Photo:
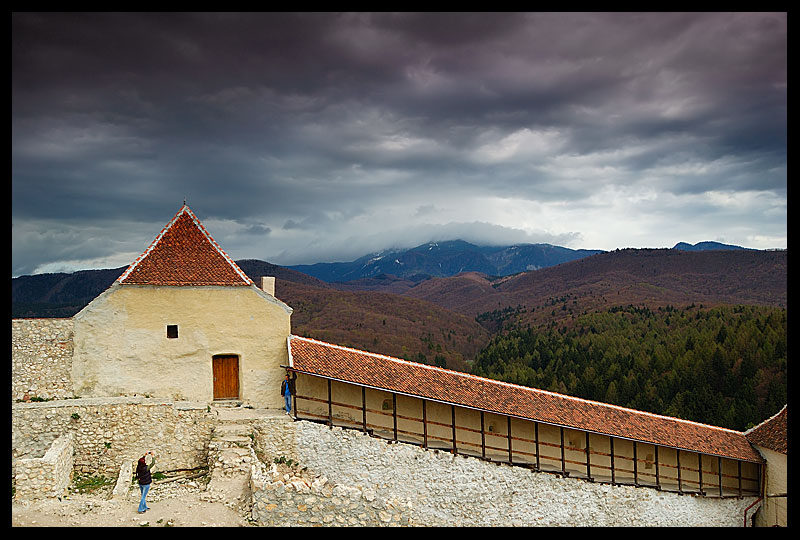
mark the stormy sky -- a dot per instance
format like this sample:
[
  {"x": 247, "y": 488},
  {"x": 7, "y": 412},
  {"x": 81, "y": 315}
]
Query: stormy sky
[{"x": 300, "y": 138}]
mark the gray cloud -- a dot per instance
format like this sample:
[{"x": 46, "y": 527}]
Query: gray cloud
[{"x": 307, "y": 137}]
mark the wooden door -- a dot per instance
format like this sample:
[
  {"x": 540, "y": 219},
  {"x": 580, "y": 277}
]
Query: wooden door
[{"x": 226, "y": 376}]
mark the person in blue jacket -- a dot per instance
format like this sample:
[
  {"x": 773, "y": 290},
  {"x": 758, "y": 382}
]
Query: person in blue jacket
[{"x": 287, "y": 391}]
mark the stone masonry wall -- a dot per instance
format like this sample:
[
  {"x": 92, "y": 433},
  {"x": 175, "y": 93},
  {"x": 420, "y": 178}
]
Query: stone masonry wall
[
  {"x": 41, "y": 358},
  {"x": 431, "y": 488},
  {"x": 108, "y": 431},
  {"x": 48, "y": 476},
  {"x": 304, "y": 498}
]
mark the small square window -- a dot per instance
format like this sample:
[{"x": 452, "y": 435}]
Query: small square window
[{"x": 172, "y": 331}]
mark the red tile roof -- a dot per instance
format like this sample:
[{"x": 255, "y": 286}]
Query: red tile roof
[
  {"x": 395, "y": 375},
  {"x": 772, "y": 433},
  {"x": 184, "y": 254}
]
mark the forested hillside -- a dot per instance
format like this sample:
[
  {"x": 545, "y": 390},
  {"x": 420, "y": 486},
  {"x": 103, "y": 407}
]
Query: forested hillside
[
  {"x": 605, "y": 327},
  {"x": 384, "y": 323},
  {"x": 725, "y": 365}
]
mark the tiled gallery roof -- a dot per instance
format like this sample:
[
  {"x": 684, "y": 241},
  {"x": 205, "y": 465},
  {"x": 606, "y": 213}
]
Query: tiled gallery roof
[
  {"x": 772, "y": 433},
  {"x": 395, "y": 375},
  {"x": 184, "y": 254}
]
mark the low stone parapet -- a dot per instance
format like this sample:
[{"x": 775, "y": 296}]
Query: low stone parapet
[
  {"x": 48, "y": 476},
  {"x": 108, "y": 431}
]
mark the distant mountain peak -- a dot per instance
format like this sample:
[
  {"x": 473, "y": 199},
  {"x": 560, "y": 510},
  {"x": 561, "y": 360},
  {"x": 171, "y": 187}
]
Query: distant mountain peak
[
  {"x": 445, "y": 259},
  {"x": 703, "y": 246}
]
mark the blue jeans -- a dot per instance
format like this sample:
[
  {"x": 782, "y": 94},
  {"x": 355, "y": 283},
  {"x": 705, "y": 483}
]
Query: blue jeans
[
  {"x": 288, "y": 399},
  {"x": 143, "y": 504}
]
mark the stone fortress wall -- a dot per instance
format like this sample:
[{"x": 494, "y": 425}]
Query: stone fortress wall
[
  {"x": 360, "y": 480},
  {"x": 47, "y": 476},
  {"x": 405, "y": 484},
  {"x": 41, "y": 358}
]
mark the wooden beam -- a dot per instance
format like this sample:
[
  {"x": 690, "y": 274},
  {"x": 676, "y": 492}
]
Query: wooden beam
[
  {"x": 635, "y": 466},
  {"x": 563, "y": 459},
  {"x": 588, "y": 464},
  {"x": 613, "y": 478},
  {"x": 483, "y": 439},
  {"x": 700, "y": 473},
  {"x": 394, "y": 414},
  {"x": 508, "y": 433},
  {"x": 424, "y": 426},
  {"x": 658, "y": 480},
  {"x": 453, "y": 411},
  {"x": 364, "y": 409},
  {"x": 536, "y": 436},
  {"x": 678, "y": 454},
  {"x": 294, "y": 396},
  {"x": 740, "y": 477},
  {"x": 719, "y": 467},
  {"x": 330, "y": 405}
]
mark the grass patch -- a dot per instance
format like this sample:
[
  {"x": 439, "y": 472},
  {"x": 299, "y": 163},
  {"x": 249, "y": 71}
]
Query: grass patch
[{"x": 90, "y": 483}]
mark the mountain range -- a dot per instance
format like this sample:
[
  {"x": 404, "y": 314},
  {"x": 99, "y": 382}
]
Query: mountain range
[
  {"x": 444, "y": 259},
  {"x": 447, "y": 320}
]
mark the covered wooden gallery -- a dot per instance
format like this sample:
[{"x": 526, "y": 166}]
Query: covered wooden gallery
[{"x": 461, "y": 413}]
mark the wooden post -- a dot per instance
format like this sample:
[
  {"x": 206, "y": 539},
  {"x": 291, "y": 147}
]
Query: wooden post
[
  {"x": 719, "y": 467},
  {"x": 424, "y": 426},
  {"x": 613, "y": 479},
  {"x": 635, "y": 466},
  {"x": 330, "y": 406},
  {"x": 588, "y": 465},
  {"x": 680, "y": 486},
  {"x": 740, "y": 477},
  {"x": 294, "y": 397},
  {"x": 483, "y": 439},
  {"x": 453, "y": 411},
  {"x": 658, "y": 480},
  {"x": 508, "y": 434},
  {"x": 563, "y": 459},
  {"x": 536, "y": 436},
  {"x": 700, "y": 473},
  {"x": 364, "y": 408},
  {"x": 394, "y": 414}
]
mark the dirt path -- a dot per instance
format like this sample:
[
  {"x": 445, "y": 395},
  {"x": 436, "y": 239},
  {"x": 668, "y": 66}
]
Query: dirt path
[{"x": 174, "y": 504}]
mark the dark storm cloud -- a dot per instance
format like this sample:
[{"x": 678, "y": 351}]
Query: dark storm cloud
[{"x": 348, "y": 130}]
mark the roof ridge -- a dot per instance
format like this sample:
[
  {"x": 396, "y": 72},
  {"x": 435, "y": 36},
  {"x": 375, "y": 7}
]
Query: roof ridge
[
  {"x": 768, "y": 420},
  {"x": 524, "y": 388}
]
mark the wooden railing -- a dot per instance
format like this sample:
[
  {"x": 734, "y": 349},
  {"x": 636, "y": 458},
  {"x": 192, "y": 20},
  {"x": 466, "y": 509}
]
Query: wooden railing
[{"x": 708, "y": 483}]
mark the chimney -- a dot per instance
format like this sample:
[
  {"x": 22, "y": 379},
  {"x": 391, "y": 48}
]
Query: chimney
[{"x": 268, "y": 284}]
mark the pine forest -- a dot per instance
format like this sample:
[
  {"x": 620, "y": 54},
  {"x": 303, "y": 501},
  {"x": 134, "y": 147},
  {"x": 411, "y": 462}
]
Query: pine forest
[{"x": 724, "y": 365}]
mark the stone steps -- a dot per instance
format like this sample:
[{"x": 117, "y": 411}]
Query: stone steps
[
  {"x": 230, "y": 435},
  {"x": 226, "y": 403},
  {"x": 230, "y": 458}
]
